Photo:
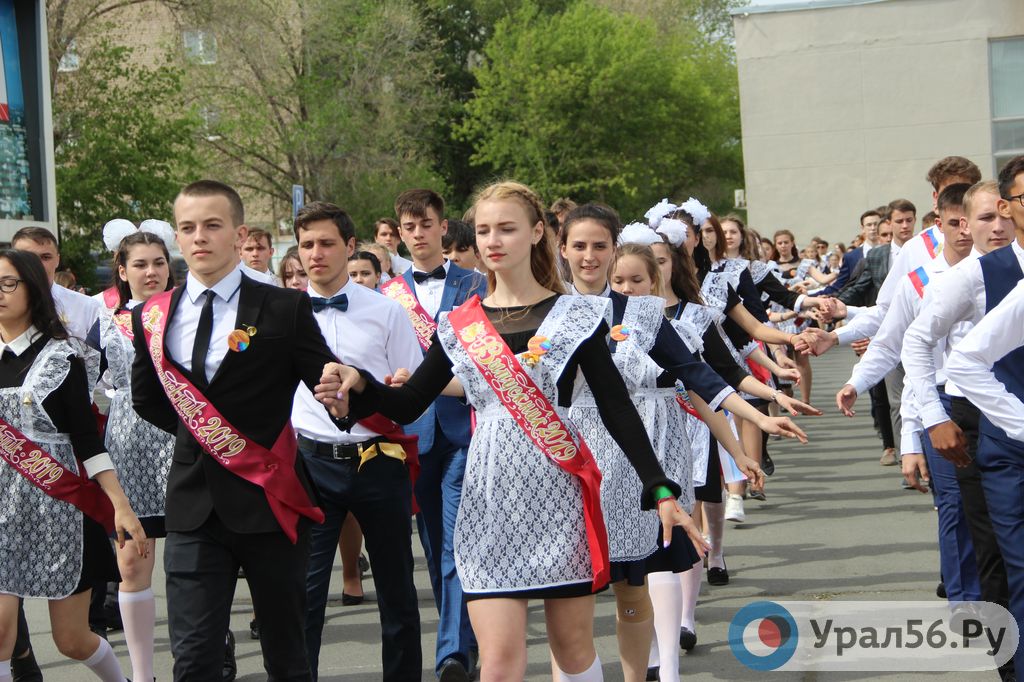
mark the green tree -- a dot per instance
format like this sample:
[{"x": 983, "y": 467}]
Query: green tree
[
  {"x": 609, "y": 106},
  {"x": 340, "y": 96},
  {"x": 124, "y": 147}
]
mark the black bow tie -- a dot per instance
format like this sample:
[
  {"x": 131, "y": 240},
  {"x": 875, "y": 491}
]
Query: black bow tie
[
  {"x": 339, "y": 302},
  {"x": 436, "y": 273}
]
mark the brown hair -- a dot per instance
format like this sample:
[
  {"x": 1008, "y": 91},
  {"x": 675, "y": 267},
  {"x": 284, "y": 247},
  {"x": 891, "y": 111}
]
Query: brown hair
[
  {"x": 904, "y": 205},
  {"x": 749, "y": 239},
  {"x": 390, "y": 222},
  {"x": 794, "y": 255},
  {"x": 120, "y": 259},
  {"x": 952, "y": 167},
  {"x": 605, "y": 216},
  {"x": 40, "y": 235},
  {"x": 212, "y": 188},
  {"x": 562, "y": 204},
  {"x": 415, "y": 202},
  {"x": 645, "y": 254},
  {"x": 684, "y": 282},
  {"x": 542, "y": 255},
  {"x": 719, "y": 236},
  {"x": 321, "y": 210},
  {"x": 292, "y": 254},
  {"x": 258, "y": 233}
]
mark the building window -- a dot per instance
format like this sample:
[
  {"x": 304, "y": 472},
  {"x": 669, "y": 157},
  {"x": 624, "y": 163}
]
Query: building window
[
  {"x": 70, "y": 61},
  {"x": 210, "y": 116},
  {"x": 1006, "y": 63},
  {"x": 200, "y": 46}
]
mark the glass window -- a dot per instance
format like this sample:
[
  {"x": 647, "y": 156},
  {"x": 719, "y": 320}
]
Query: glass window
[
  {"x": 200, "y": 46},
  {"x": 70, "y": 60},
  {"x": 1006, "y": 64}
]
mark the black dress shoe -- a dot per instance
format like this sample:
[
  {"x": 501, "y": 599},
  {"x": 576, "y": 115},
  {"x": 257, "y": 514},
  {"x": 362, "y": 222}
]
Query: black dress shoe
[
  {"x": 230, "y": 669},
  {"x": 687, "y": 639},
  {"x": 254, "y": 629},
  {"x": 452, "y": 671},
  {"x": 718, "y": 576},
  {"x": 26, "y": 669},
  {"x": 758, "y": 495},
  {"x": 940, "y": 590},
  {"x": 767, "y": 465},
  {"x": 351, "y": 599},
  {"x": 652, "y": 673}
]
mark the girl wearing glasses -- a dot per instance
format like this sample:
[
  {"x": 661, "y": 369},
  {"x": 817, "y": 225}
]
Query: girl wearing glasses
[{"x": 49, "y": 547}]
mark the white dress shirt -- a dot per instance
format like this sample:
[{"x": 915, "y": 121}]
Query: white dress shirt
[
  {"x": 399, "y": 264},
  {"x": 374, "y": 334},
  {"x": 181, "y": 329},
  {"x": 953, "y": 306},
  {"x": 265, "y": 277},
  {"x": 430, "y": 292},
  {"x": 970, "y": 363},
  {"x": 77, "y": 311},
  {"x": 911, "y": 256}
]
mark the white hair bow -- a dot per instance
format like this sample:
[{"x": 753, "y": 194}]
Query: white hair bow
[
  {"x": 675, "y": 231},
  {"x": 698, "y": 211},
  {"x": 661, "y": 209},
  {"x": 639, "y": 233},
  {"x": 119, "y": 228}
]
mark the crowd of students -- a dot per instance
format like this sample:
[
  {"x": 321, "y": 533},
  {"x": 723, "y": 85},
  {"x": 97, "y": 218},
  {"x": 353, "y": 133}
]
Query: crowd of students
[{"x": 563, "y": 403}]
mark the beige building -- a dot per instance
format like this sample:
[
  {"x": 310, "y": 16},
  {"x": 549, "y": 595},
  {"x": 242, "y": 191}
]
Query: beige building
[{"x": 845, "y": 104}]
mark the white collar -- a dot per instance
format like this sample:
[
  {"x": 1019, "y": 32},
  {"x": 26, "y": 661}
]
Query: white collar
[
  {"x": 446, "y": 265},
  {"x": 604, "y": 294},
  {"x": 346, "y": 289},
  {"x": 22, "y": 343},
  {"x": 225, "y": 288}
]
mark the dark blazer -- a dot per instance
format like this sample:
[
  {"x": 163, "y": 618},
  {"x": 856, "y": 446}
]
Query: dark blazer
[
  {"x": 451, "y": 414},
  {"x": 253, "y": 389},
  {"x": 876, "y": 266},
  {"x": 850, "y": 260}
]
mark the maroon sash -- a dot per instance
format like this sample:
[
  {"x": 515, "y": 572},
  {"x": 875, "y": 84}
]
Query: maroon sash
[
  {"x": 393, "y": 433},
  {"x": 422, "y": 323},
  {"x": 273, "y": 470},
  {"x": 534, "y": 414},
  {"x": 53, "y": 478}
]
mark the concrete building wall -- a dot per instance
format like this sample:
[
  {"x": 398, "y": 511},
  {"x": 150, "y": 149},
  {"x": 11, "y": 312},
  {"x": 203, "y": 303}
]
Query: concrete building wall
[{"x": 845, "y": 108}]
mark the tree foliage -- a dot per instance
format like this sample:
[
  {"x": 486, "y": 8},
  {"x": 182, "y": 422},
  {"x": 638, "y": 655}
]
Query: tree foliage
[
  {"x": 340, "y": 96},
  {"x": 123, "y": 152},
  {"x": 599, "y": 105}
]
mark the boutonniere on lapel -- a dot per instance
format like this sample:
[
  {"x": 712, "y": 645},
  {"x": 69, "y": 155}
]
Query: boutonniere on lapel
[{"x": 239, "y": 339}]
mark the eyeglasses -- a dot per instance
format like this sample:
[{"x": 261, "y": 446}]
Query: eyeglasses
[
  {"x": 1019, "y": 198},
  {"x": 9, "y": 285}
]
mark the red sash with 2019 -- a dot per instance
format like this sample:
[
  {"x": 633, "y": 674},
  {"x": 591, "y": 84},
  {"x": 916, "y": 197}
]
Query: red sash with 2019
[
  {"x": 534, "y": 414},
  {"x": 273, "y": 469}
]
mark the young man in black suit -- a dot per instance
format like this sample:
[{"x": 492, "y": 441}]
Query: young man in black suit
[{"x": 217, "y": 520}]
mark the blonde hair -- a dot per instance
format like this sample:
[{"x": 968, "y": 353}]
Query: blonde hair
[
  {"x": 382, "y": 255},
  {"x": 985, "y": 186},
  {"x": 646, "y": 255},
  {"x": 542, "y": 254}
]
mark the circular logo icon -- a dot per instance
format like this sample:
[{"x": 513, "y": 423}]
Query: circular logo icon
[{"x": 763, "y": 635}]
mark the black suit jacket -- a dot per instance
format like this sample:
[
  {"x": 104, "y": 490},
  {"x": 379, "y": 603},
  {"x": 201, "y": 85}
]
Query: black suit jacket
[
  {"x": 864, "y": 290},
  {"x": 253, "y": 389}
]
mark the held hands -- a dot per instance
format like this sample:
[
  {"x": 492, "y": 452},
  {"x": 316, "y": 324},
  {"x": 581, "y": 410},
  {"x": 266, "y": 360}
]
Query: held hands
[
  {"x": 860, "y": 347},
  {"x": 950, "y": 442},
  {"x": 671, "y": 514},
  {"x": 399, "y": 378},
  {"x": 335, "y": 383},
  {"x": 781, "y": 426},
  {"x": 752, "y": 470},
  {"x": 915, "y": 470},
  {"x": 814, "y": 341},
  {"x": 846, "y": 398},
  {"x": 795, "y": 407}
]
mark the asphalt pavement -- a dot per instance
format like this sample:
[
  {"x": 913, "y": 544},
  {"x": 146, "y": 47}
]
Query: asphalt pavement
[{"x": 836, "y": 526}]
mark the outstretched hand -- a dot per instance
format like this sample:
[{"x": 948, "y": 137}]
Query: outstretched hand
[
  {"x": 814, "y": 341},
  {"x": 846, "y": 398},
  {"x": 795, "y": 407},
  {"x": 782, "y": 426},
  {"x": 671, "y": 514}
]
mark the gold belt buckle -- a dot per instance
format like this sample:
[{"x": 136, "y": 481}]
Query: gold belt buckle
[{"x": 367, "y": 453}]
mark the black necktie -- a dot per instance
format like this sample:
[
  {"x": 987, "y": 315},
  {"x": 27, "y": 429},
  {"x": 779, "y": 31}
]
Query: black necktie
[
  {"x": 201, "y": 348},
  {"x": 436, "y": 273},
  {"x": 339, "y": 302}
]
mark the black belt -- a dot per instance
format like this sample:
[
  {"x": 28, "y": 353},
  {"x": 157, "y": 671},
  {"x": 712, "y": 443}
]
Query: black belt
[{"x": 336, "y": 451}]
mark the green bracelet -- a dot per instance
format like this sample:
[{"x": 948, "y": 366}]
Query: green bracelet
[{"x": 661, "y": 492}]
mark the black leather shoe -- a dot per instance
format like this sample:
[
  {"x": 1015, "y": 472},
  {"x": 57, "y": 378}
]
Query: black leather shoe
[
  {"x": 767, "y": 465},
  {"x": 687, "y": 639},
  {"x": 718, "y": 576},
  {"x": 652, "y": 673},
  {"x": 452, "y": 671},
  {"x": 26, "y": 669},
  {"x": 254, "y": 629},
  {"x": 940, "y": 590},
  {"x": 230, "y": 669},
  {"x": 351, "y": 599}
]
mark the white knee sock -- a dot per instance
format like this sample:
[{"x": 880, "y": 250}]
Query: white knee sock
[
  {"x": 690, "y": 582},
  {"x": 714, "y": 512},
  {"x": 5, "y": 671},
  {"x": 591, "y": 674},
  {"x": 138, "y": 613},
  {"x": 103, "y": 663},
  {"x": 666, "y": 595}
]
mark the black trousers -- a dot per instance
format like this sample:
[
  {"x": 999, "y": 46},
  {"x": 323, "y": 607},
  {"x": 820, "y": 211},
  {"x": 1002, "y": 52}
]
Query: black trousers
[
  {"x": 202, "y": 570},
  {"x": 380, "y": 497},
  {"x": 991, "y": 570},
  {"x": 881, "y": 413}
]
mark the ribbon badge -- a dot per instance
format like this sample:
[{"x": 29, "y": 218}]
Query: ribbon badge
[{"x": 536, "y": 347}]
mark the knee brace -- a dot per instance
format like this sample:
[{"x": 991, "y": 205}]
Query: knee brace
[{"x": 632, "y": 603}]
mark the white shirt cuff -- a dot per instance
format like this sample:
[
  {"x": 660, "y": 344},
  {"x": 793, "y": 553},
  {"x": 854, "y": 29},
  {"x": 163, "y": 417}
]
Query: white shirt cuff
[
  {"x": 910, "y": 443},
  {"x": 846, "y": 334},
  {"x": 799, "y": 305},
  {"x": 933, "y": 414},
  {"x": 97, "y": 464},
  {"x": 716, "y": 403},
  {"x": 859, "y": 384}
]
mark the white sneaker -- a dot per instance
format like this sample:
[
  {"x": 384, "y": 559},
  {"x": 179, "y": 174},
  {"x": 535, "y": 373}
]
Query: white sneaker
[{"x": 734, "y": 508}]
